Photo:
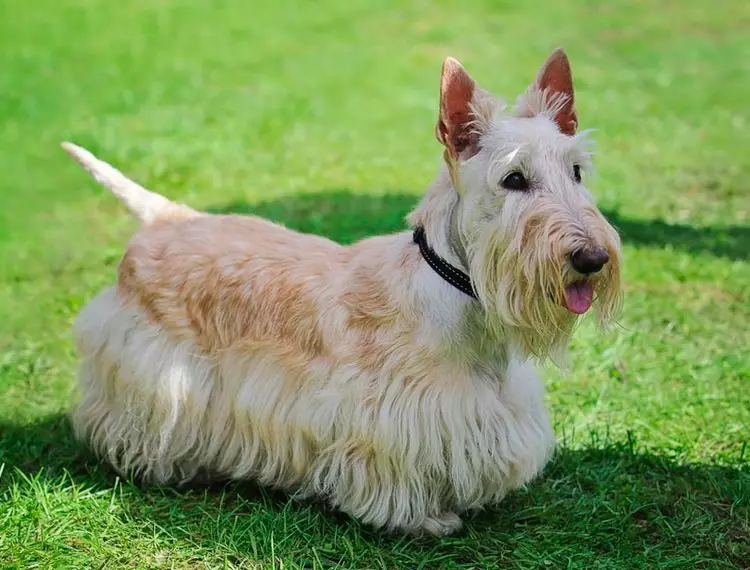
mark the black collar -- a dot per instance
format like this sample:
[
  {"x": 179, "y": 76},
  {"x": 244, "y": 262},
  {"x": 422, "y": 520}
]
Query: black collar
[{"x": 454, "y": 276}]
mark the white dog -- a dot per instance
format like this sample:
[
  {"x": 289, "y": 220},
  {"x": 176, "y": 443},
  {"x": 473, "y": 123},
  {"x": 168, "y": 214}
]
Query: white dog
[{"x": 394, "y": 377}]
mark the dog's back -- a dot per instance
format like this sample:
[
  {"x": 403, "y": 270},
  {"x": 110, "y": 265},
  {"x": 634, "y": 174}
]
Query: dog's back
[{"x": 221, "y": 280}]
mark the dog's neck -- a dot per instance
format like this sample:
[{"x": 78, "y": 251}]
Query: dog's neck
[{"x": 438, "y": 213}]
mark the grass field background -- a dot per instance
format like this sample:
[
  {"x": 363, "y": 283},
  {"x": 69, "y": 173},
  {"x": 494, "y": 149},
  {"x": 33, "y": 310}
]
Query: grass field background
[{"x": 320, "y": 115}]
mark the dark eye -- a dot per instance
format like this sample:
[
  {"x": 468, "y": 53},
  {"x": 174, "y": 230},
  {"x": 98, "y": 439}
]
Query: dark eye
[
  {"x": 515, "y": 181},
  {"x": 577, "y": 173}
]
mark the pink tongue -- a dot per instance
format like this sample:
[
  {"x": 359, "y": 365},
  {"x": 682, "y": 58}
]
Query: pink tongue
[{"x": 578, "y": 297}]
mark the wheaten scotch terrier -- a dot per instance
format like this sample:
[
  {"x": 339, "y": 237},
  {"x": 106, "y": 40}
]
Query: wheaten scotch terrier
[{"x": 394, "y": 377}]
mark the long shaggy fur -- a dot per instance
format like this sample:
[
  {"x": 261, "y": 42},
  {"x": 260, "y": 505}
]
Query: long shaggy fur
[{"x": 233, "y": 346}]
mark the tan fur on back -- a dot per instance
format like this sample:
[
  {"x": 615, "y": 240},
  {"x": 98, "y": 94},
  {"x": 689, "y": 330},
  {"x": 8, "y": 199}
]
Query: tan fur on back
[{"x": 223, "y": 280}]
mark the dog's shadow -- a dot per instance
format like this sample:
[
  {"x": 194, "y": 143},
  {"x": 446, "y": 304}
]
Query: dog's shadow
[
  {"x": 599, "y": 497},
  {"x": 346, "y": 216}
]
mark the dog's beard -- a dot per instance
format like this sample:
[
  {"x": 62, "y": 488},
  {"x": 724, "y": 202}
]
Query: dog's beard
[{"x": 523, "y": 280}]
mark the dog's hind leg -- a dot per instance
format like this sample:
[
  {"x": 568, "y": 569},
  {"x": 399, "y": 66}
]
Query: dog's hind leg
[{"x": 142, "y": 395}]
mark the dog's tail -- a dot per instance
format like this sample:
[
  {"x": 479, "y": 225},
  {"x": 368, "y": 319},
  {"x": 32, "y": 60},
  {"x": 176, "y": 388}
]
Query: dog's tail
[{"x": 145, "y": 205}]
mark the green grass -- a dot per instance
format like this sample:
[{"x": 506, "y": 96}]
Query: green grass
[{"x": 320, "y": 115}]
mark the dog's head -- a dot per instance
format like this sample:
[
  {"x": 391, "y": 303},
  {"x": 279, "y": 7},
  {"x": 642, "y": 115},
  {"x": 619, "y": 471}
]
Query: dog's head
[{"x": 539, "y": 251}]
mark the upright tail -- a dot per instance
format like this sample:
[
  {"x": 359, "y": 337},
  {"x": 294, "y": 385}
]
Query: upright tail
[{"x": 145, "y": 205}]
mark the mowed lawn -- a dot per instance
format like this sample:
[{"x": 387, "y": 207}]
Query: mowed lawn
[{"x": 320, "y": 115}]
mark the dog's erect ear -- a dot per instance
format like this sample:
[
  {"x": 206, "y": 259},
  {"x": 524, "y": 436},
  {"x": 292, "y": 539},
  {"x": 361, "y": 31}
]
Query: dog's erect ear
[
  {"x": 555, "y": 76},
  {"x": 454, "y": 129}
]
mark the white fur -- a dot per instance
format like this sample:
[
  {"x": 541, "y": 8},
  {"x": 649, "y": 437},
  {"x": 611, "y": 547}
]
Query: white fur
[
  {"x": 451, "y": 418},
  {"x": 161, "y": 408},
  {"x": 144, "y": 205}
]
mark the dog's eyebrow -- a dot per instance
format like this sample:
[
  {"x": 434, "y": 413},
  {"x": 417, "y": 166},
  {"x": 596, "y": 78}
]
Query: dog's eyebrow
[
  {"x": 512, "y": 154},
  {"x": 504, "y": 156},
  {"x": 581, "y": 154}
]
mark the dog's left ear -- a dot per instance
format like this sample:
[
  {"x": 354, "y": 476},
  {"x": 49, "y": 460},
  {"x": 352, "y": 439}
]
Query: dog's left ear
[
  {"x": 454, "y": 128},
  {"x": 555, "y": 76}
]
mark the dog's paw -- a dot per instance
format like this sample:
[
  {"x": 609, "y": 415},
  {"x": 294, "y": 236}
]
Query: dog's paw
[{"x": 443, "y": 524}]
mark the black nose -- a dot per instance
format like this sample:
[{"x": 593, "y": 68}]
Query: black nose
[{"x": 589, "y": 260}]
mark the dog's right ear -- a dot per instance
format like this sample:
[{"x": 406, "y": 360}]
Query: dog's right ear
[{"x": 454, "y": 128}]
